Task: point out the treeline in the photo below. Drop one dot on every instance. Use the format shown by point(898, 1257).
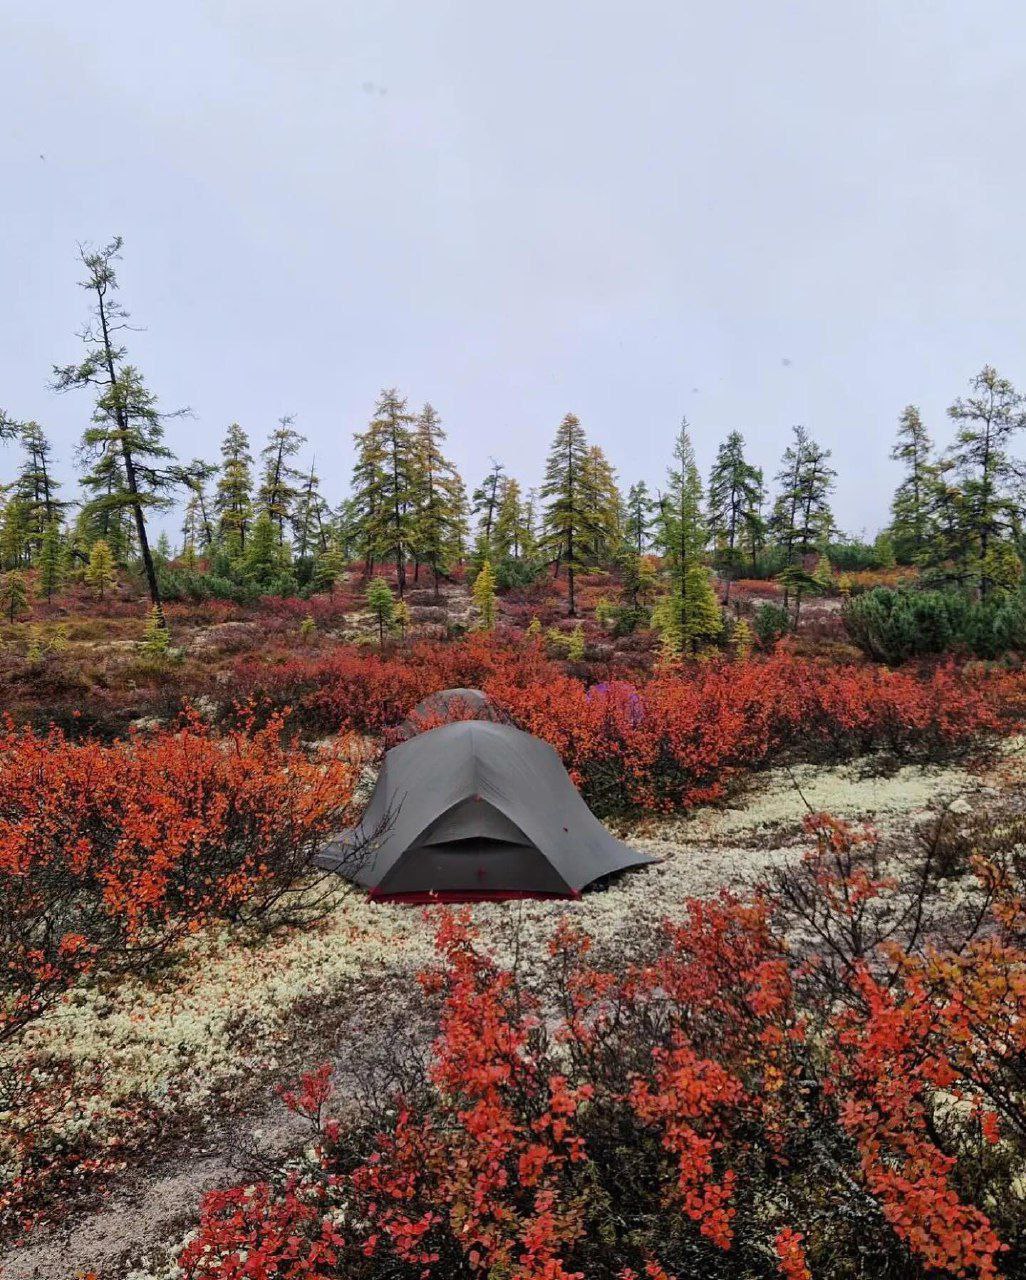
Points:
point(257, 522)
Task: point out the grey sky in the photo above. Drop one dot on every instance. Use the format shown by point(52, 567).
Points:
point(634, 211)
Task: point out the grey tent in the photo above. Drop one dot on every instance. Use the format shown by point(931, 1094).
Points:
point(475, 810)
point(447, 704)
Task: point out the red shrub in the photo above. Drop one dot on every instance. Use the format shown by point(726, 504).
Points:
point(108, 852)
point(673, 740)
point(696, 1115)
point(678, 739)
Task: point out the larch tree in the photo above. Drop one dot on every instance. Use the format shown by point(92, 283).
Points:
point(381, 604)
point(198, 525)
point(279, 481)
point(949, 557)
point(104, 515)
point(126, 424)
point(910, 508)
point(51, 561)
point(690, 614)
point(36, 488)
point(438, 530)
point(329, 565)
point(233, 497)
point(531, 529)
point(13, 533)
point(783, 522)
point(15, 594)
point(345, 529)
point(607, 514)
point(640, 509)
point(265, 562)
point(383, 485)
point(817, 483)
point(309, 516)
point(485, 501)
point(192, 531)
point(801, 517)
point(754, 531)
point(101, 572)
point(510, 536)
point(569, 525)
point(484, 596)
point(362, 518)
point(987, 420)
point(735, 498)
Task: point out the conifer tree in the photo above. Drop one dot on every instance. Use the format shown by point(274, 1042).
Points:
point(754, 530)
point(309, 516)
point(638, 583)
point(690, 614)
point(105, 514)
point(14, 594)
point(802, 518)
point(570, 520)
point(101, 574)
point(484, 596)
point(735, 498)
point(607, 515)
point(401, 617)
point(14, 530)
point(156, 641)
point(345, 529)
point(383, 485)
point(329, 566)
point(126, 422)
point(575, 644)
point(35, 488)
point(640, 508)
point(949, 555)
point(485, 502)
point(233, 499)
point(364, 508)
point(513, 538)
point(198, 514)
point(51, 561)
point(531, 530)
point(438, 499)
point(381, 604)
point(192, 529)
point(264, 563)
point(910, 510)
point(279, 480)
point(1001, 568)
point(783, 521)
point(987, 420)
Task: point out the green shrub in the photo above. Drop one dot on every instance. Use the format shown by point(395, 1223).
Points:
point(629, 618)
point(894, 626)
point(510, 573)
point(770, 622)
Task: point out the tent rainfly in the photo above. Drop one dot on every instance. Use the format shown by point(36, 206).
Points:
point(476, 810)
point(446, 705)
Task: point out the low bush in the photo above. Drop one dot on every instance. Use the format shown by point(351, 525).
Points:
point(673, 740)
point(893, 625)
point(770, 622)
point(109, 853)
point(680, 738)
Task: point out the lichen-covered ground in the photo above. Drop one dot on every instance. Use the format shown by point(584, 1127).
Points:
point(236, 1016)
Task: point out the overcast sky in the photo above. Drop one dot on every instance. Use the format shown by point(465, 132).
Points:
point(754, 214)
